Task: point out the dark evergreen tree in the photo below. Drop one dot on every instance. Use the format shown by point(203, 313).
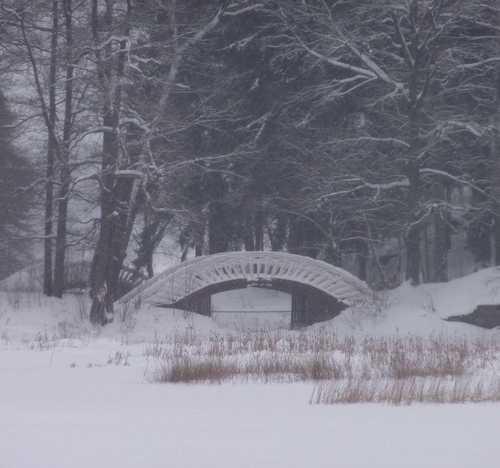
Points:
point(16, 198)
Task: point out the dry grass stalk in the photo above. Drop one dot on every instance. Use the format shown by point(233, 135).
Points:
point(407, 391)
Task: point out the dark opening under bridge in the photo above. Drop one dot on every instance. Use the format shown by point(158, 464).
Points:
point(319, 291)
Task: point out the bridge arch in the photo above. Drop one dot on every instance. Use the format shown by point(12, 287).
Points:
point(319, 290)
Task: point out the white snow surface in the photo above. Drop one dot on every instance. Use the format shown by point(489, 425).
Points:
point(74, 396)
point(54, 416)
point(421, 310)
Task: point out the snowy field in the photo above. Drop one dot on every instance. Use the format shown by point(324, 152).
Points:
point(73, 396)
point(54, 416)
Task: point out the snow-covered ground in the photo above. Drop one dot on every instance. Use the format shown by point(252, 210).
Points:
point(55, 416)
point(73, 396)
point(421, 310)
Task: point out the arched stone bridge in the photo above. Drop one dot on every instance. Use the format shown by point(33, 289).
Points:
point(319, 290)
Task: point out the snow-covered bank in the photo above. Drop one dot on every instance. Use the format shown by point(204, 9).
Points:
point(457, 297)
point(422, 310)
point(108, 417)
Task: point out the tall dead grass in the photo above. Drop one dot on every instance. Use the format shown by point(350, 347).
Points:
point(347, 370)
point(408, 391)
point(260, 367)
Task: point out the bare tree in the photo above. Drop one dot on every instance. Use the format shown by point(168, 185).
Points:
point(52, 73)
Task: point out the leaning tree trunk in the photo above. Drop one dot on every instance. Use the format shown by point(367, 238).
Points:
point(151, 236)
point(118, 213)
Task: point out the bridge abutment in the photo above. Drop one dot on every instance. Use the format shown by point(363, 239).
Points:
point(310, 306)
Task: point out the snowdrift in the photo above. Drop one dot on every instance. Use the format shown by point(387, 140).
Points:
point(423, 310)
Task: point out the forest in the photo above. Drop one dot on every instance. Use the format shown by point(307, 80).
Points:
point(363, 133)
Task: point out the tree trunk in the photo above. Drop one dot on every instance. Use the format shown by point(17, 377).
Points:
point(496, 176)
point(363, 256)
point(151, 236)
point(101, 285)
point(63, 198)
point(441, 242)
point(218, 216)
point(259, 225)
point(303, 237)
point(62, 216)
point(441, 248)
point(199, 239)
point(49, 212)
point(248, 235)
point(278, 232)
point(413, 233)
point(51, 150)
point(118, 192)
point(217, 232)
